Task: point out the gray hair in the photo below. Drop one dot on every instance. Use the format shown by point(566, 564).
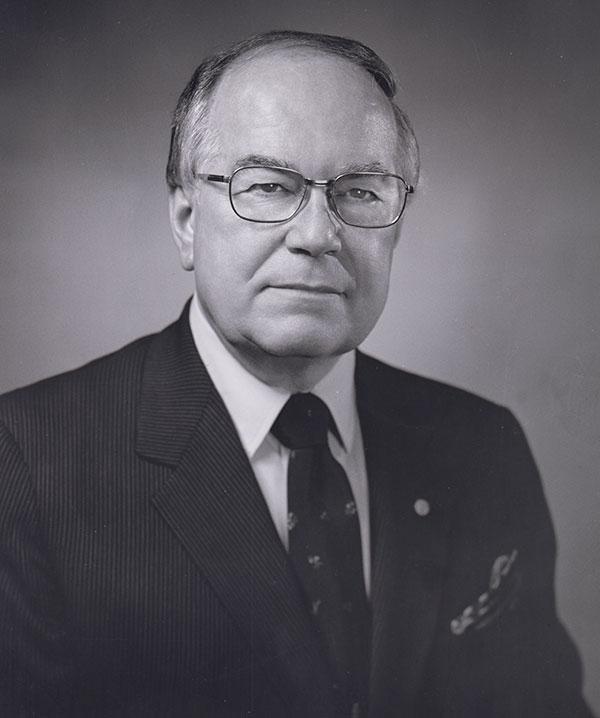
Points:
point(189, 128)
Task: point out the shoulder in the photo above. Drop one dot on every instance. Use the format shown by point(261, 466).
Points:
point(101, 370)
point(470, 453)
point(105, 385)
point(421, 401)
point(468, 442)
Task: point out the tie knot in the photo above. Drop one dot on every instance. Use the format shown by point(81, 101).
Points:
point(303, 422)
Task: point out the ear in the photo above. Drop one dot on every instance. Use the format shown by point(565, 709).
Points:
point(181, 214)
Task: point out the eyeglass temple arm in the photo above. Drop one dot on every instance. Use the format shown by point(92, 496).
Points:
point(212, 178)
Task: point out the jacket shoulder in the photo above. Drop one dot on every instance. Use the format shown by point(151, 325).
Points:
point(68, 397)
point(420, 400)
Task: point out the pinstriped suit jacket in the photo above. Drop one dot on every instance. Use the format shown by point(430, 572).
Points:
point(141, 575)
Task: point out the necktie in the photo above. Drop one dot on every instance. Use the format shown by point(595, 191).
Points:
point(324, 543)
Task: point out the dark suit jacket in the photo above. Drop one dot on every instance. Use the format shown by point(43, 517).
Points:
point(141, 575)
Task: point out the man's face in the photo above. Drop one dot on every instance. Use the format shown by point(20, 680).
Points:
point(311, 286)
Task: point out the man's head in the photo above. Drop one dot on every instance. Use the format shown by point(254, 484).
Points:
point(311, 287)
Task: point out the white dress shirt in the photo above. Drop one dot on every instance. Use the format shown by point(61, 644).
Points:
point(254, 406)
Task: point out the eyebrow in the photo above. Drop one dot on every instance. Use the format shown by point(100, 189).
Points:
point(269, 161)
point(261, 160)
point(366, 167)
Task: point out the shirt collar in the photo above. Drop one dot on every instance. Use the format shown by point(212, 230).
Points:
point(254, 405)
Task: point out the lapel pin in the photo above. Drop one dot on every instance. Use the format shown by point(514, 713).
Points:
point(422, 507)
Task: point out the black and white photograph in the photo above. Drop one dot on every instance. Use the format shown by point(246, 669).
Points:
point(300, 359)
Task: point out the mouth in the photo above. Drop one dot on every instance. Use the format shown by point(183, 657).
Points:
point(308, 288)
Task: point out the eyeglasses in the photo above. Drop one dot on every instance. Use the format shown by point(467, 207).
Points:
point(371, 200)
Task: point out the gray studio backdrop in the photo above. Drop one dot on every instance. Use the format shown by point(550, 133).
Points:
point(495, 281)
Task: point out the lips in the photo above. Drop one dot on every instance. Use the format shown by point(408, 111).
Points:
point(320, 288)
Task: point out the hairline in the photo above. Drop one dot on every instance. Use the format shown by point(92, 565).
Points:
point(198, 140)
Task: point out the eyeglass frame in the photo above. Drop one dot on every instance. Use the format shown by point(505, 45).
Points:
point(327, 184)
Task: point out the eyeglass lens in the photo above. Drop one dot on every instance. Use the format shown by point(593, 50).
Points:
point(267, 194)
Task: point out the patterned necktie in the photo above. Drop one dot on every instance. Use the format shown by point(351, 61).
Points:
point(324, 543)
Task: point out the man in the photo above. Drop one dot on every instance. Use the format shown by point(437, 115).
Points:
point(241, 515)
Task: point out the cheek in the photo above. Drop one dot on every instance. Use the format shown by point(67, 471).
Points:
point(220, 274)
point(228, 243)
point(373, 264)
point(227, 259)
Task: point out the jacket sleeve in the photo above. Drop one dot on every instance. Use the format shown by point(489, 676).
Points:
point(34, 656)
point(501, 649)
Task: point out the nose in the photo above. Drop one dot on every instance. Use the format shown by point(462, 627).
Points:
point(314, 230)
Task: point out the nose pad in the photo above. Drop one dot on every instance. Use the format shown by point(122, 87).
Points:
point(333, 215)
point(315, 228)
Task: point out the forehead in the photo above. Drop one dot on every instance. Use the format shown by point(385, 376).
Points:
point(317, 112)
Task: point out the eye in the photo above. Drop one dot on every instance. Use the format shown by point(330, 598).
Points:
point(267, 188)
point(358, 194)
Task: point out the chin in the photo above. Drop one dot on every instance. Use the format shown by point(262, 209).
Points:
point(303, 344)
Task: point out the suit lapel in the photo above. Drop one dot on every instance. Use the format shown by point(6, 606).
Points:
point(408, 549)
point(214, 506)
